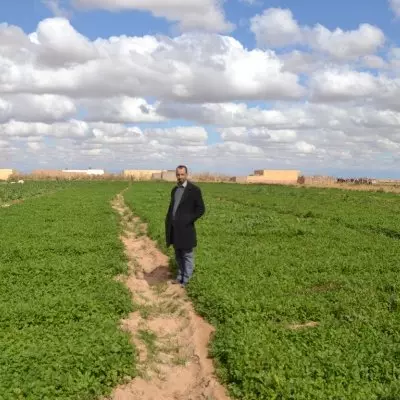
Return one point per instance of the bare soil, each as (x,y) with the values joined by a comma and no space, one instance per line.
(366,188)
(171,339)
(310,324)
(11,203)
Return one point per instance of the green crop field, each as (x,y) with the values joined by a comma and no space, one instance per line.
(14,192)
(270,260)
(60,305)
(271,257)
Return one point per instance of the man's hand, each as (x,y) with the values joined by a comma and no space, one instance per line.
(199,207)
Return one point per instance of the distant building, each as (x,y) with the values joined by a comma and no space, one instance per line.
(6,173)
(141,174)
(84,171)
(274,176)
(156,176)
(169,176)
(150,174)
(320,179)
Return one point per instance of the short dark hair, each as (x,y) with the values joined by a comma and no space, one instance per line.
(182,166)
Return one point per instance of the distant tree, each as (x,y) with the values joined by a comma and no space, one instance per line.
(301,180)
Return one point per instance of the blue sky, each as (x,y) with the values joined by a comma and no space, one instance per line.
(344,14)
(332,14)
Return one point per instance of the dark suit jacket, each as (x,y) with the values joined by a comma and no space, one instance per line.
(181,231)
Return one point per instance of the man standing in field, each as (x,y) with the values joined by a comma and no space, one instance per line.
(185,208)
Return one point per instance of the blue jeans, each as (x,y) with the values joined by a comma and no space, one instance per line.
(185,262)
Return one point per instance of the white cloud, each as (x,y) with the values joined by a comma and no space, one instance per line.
(354,136)
(71,129)
(309,128)
(365,40)
(306,62)
(106,133)
(15,45)
(301,62)
(34,146)
(120,109)
(238,114)
(335,84)
(191,14)
(80,143)
(258,136)
(144,102)
(304,147)
(36,108)
(374,62)
(346,84)
(59,44)
(190,68)
(192,135)
(57,8)
(277,28)
(267,141)
(387,144)
(395,6)
(232,151)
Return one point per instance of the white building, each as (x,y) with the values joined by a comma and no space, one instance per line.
(84,171)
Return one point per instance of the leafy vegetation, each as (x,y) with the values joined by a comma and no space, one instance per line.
(302,285)
(60,305)
(15,192)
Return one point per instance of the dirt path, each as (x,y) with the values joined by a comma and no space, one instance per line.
(9,204)
(172,341)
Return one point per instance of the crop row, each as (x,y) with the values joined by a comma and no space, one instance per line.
(302,286)
(60,305)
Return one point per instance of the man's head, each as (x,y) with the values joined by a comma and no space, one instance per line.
(181,173)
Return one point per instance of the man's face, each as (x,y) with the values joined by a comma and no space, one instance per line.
(181,175)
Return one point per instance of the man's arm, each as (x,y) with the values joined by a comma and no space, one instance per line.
(199,207)
(170,204)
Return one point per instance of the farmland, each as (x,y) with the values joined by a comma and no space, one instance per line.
(59,303)
(11,193)
(302,285)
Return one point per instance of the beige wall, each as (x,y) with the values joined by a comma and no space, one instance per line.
(276,175)
(141,174)
(241,179)
(156,176)
(263,179)
(169,176)
(5,174)
(148,174)
(319,179)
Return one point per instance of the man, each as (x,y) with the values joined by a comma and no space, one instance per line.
(185,208)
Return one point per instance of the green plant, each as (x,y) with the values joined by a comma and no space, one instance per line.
(60,305)
(274,257)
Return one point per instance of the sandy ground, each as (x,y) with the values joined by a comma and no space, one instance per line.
(172,341)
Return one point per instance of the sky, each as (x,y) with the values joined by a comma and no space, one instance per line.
(223,87)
